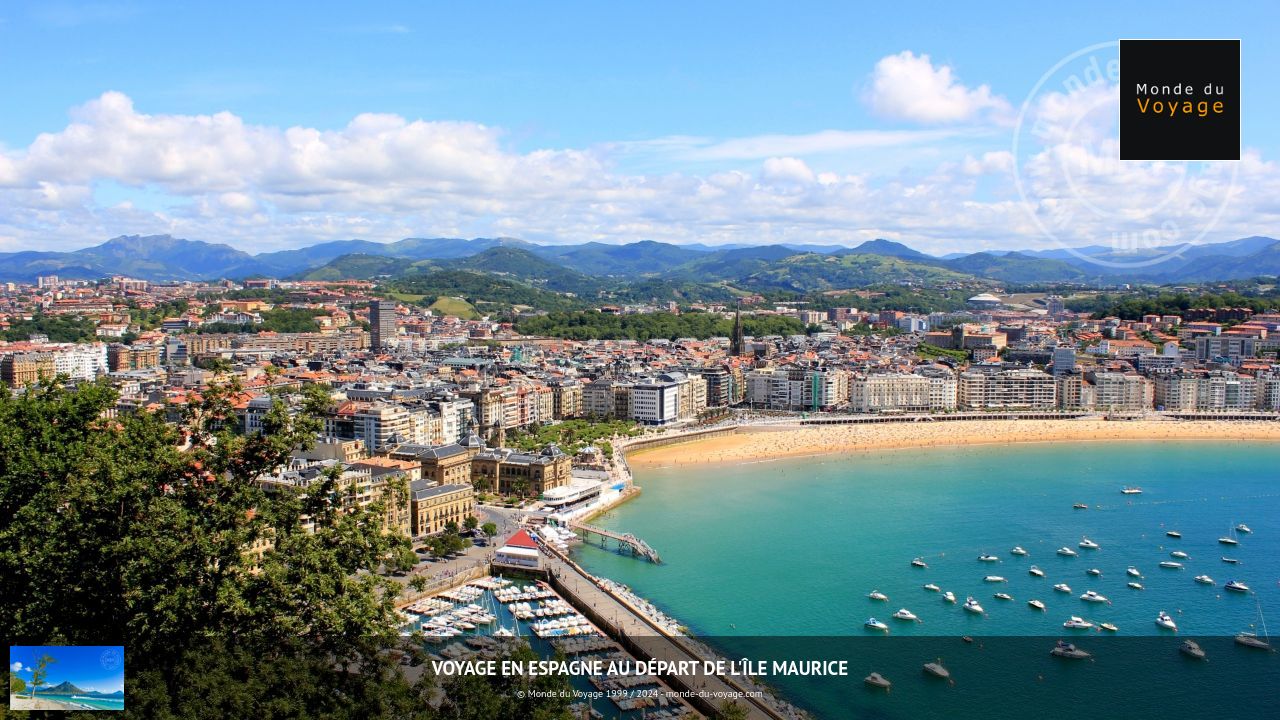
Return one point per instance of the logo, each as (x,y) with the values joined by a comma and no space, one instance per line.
(110,658)
(1077,190)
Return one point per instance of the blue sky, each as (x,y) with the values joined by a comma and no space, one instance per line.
(82,666)
(623,111)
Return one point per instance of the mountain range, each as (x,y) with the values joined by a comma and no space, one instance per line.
(596,266)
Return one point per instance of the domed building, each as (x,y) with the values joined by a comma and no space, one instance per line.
(985,301)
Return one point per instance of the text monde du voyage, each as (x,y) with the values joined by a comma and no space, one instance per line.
(1179,99)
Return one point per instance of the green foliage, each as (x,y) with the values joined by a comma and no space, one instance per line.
(1133,307)
(571,435)
(151,318)
(925,350)
(280,319)
(648,326)
(59,328)
(16,684)
(482,288)
(489,529)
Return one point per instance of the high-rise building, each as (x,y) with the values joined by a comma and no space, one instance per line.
(382,323)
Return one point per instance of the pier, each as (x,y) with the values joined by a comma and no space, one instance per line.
(638,547)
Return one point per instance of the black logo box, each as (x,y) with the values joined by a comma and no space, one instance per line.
(1160,77)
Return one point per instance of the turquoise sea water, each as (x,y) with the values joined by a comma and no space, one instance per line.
(116,704)
(792,547)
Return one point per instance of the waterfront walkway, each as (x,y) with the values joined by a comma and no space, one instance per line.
(640,636)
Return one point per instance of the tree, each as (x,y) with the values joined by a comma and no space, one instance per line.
(40,673)
(732,710)
(470,523)
(451,527)
(489,529)
(418,583)
(404,560)
(16,685)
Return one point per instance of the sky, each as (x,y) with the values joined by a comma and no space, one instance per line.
(90,668)
(274,125)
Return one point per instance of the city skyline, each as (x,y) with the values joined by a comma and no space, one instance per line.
(426,124)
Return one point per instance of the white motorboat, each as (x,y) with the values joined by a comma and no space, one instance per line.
(1018,550)
(905,614)
(972,606)
(1080,506)
(1003,596)
(1091,596)
(1067,552)
(1228,541)
(1109,627)
(1204,580)
(1134,490)
(1171,565)
(1077,623)
(949,596)
(994,579)
(919,562)
(1243,528)
(1062,588)
(1179,554)
(1192,649)
(988,558)
(1230,561)
(1236,586)
(877,680)
(1173,534)
(1088,544)
(877,595)
(874,624)
(1166,622)
(1065,649)
(1095,572)
(1133,572)
(1135,586)
(937,670)
(1036,571)
(1036,604)
(931,587)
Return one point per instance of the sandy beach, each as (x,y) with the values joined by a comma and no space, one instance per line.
(24,702)
(754,444)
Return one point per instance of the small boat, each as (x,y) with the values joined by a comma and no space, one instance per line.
(877,680)
(1088,544)
(1228,541)
(1062,588)
(875,624)
(1204,579)
(949,596)
(905,614)
(988,558)
(1094,572)
(1191,649)
(1230,561)
(877,595)
(1065,649)
(1251,640)
(1036,604)
(1003,596)
(919,562)
(966,639)
(971,605)
(1173,534)
(1077,623)
(1018,550)
(1171,565)
(1091,596)
(1080,506)
(931,587)
(1133,572)
(1036,571)
(994,579)
(1166,622)
(937,670)
(1127,490)
(1243,528)
(1179,554)
(1067,552)
(1109,627)
(1135,586)
(1236,586)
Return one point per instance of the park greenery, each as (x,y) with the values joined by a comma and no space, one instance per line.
(59,328)
(592,325)
(281,319)
(1134,307)
(131,531)
(573,435)
(925,350)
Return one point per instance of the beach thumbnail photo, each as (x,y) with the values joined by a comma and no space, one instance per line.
(66,677)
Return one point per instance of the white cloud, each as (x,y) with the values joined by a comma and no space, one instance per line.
(384,177)
(907,86)
(15,667)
